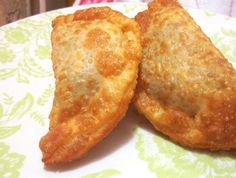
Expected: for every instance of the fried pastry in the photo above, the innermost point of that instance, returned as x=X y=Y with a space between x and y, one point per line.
x=95 y=55
x=186 y=87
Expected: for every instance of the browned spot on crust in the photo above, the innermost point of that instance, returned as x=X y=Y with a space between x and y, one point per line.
x=163 y=47
x=91 y=83
x=109 y=63
x=145 y=42
x=158 y=4
x=143 y=19
x=93 y=13
x=96 y=38
x=66 y=113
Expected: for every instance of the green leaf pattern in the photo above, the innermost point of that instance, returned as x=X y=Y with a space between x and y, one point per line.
x=25 y=50
x=209 y=14
x=1 y=111
x=8 y=131
x=7 y=73
x=38 y=117
x=31 y=68
x=7 y=99
x=225 y=40
x=11 y=111
x=10 y=163
x=17 y=35
x=43 y=51
x=6 y=55
x=166 y=159
x=46 y=95
x=17 y=40
x=22 y=107
x=108 y=173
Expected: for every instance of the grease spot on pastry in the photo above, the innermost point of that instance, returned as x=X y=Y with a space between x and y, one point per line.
x=91 y=83
x=109 y=63
x=96 y=38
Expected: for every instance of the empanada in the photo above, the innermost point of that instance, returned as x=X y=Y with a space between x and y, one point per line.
x=95 y=55
x=186 y=88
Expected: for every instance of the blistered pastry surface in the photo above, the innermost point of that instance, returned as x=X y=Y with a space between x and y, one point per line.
x=95 y=57
x=187 y=88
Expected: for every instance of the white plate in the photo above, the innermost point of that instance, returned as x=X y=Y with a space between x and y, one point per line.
x=133 y=149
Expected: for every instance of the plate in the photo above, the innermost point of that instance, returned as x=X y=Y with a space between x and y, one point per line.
x=133 y=149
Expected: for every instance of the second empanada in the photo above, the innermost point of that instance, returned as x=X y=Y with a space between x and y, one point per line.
x=186 y=87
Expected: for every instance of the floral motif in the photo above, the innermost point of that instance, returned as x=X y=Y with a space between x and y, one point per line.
x=8 y=131
x=210 y=14
x=25 y=45
x=11 y=112
x=17 y=35
x=225 y=40
x=22 y=107
x=167 y=159
x=43 y=52
x=20 y=39
x=6 y=55
x=108 y=173
x=10 y=163
x=46 y=95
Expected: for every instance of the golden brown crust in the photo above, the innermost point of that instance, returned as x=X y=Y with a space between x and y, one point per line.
x=95 y=80
x=186 y=88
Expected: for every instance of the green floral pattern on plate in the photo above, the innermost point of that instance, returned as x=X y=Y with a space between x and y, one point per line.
x=27 y=86
x=6 y=55
x=11 y=111
x=10 y=163
x=208 y=13
x=225 y=40
x=43 y=51
x=46 y=95
x=167 y=159
x=108 y=173
x=22 y=106
x=8 y=131
x=29 y=51
x=17 y=35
